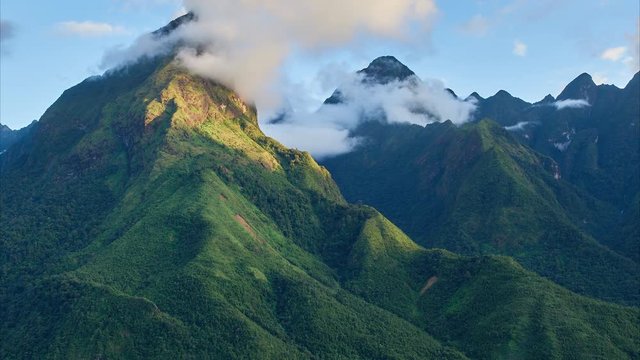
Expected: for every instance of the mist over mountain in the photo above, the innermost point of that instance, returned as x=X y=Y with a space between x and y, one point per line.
x=385 y=91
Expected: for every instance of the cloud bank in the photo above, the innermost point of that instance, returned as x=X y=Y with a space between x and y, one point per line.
x=328 y=131
x=243 y=44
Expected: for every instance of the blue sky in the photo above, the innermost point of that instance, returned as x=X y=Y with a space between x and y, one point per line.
x=529 y=48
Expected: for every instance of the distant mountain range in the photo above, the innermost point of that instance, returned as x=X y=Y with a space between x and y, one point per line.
x=148 y=216
x=553 y=184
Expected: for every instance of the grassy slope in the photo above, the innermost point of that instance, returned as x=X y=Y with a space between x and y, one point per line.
x=170 y=227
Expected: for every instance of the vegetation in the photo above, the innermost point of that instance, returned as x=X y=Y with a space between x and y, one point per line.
x=151 y=218
x=476 y=190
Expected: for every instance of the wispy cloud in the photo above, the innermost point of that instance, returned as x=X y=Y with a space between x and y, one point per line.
x=614 y=54
x=519 y=48
x=520 y=126
x=89 y=28
x=478 y=25
x=628 y=55
x=571 y=104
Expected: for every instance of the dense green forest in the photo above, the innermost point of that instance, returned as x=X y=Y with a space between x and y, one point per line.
x=147 y=216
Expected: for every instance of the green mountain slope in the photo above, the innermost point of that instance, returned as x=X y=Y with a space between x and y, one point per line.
x=149 y=217
x=189 y=234
x=475 y=190
x=489 y=307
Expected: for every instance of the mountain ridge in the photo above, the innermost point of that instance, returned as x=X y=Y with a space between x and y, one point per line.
x=441 y=183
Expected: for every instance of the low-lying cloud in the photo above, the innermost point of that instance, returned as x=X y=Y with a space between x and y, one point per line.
x=571 y=104
x=520 y=126
x=328 y=131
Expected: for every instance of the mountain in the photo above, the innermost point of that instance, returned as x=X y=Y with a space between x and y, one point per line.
x=581 y=87
x=9 y=137
x=596 y=145
x=148 y=216
x=476 y=189
x=158 y=221
x=608 y=120
x=382 y=70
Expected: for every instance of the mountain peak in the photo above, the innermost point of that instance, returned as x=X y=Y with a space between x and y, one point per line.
x=386 y=69
x=503 y=94
x=382 y=70
x=174 y=24
x=476 y=96
x=547 y=99
x=581 y=87
x=634 y=81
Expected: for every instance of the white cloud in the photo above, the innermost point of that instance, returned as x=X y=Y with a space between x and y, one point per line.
x=571 y=104
x=614 y=54
x=244 y=44
x=478 y=25
x=519 y=48
x=326 y=132
x=89 y=28
x=321 y=140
